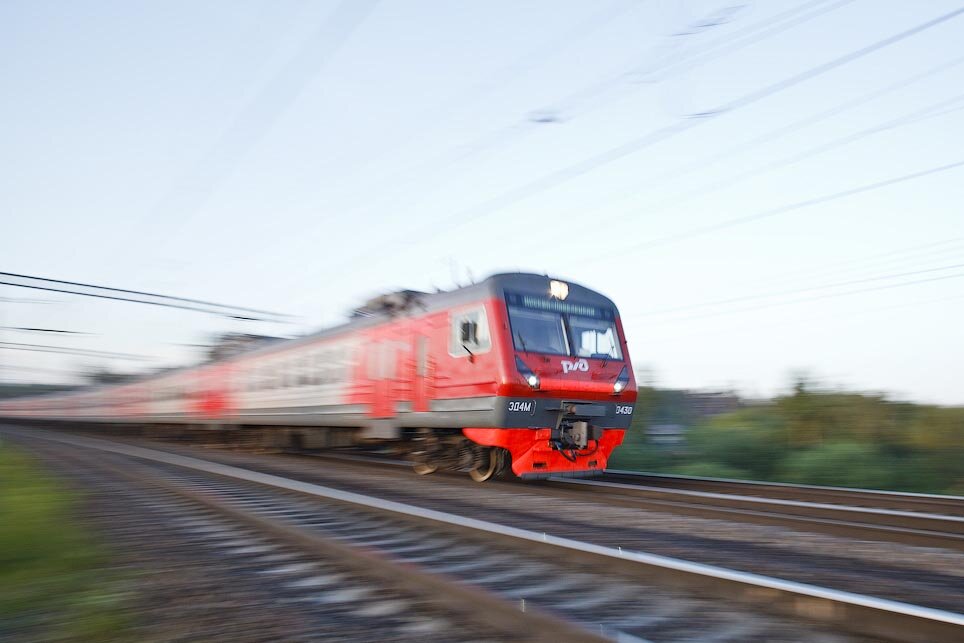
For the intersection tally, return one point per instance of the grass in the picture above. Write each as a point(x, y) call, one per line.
point(54, 581)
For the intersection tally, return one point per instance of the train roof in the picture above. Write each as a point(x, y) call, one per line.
point(385, 307)
point(496, 285)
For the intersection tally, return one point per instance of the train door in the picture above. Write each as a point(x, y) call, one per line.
point(420, 381)
point(381, 370)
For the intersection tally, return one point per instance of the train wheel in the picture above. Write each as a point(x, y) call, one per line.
point(489, 467)
point(424, 468)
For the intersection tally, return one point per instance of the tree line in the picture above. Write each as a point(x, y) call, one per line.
point(809, 436)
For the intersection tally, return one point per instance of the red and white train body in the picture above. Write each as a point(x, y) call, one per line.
point(518, 370)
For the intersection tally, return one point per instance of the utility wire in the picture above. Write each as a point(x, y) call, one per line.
point(145, 294)
point(733, 42)
point(700, 55)
point(42, 330)
point(931, 111)
point(137, 301)
point(818, 297)
point(794, 291)
point(494, 139)
point(807, 121)
point(892, 259)
point(186, 198)
point(38, 369)
point(578, 169)
point(801, 322)
point(86, 352)
point(783, 209)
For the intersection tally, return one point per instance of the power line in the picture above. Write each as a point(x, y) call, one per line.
point(793, 291)
point(711, 51)
point(491, 140)
point(187, 197)
point(931, 111)
point(732, 43)
point(816, 118)
point(804, 321)
point(21, 300)
point(783, 209)
point(578, 169)
point(84, 352)
point(137, 301)
point(145, 294)
point(43, 330)
point(19, 367)
point(932, 251)
point(818, 297)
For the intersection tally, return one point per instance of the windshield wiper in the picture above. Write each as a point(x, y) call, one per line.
point(522, 341)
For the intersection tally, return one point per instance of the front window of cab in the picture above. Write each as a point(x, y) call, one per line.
point(562, 328)
point(538, 331)
point(594, 338)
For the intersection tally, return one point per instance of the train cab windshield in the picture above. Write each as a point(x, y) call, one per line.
point(562, 328)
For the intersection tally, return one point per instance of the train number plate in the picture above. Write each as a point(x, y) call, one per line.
point(624, 410)
point(522, 406)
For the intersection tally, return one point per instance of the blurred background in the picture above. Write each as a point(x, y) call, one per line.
point(769, 191)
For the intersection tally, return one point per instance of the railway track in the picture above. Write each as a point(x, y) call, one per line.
point(870, 498)
point(311, 557)
point(603, 590)
point(917, 527)
point(903, 518)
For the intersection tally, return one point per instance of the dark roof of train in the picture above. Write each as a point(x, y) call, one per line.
point(494, 286)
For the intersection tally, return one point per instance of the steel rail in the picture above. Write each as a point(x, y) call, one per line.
point(905, 527)
point(874, 498)
point(865, 615)
point(468, 602)
point(866, 523)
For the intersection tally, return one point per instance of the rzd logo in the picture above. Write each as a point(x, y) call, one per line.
point(578, 365)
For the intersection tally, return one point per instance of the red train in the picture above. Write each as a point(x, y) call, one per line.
point(519, 371)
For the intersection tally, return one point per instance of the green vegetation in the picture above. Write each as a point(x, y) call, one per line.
point(53, 585)
point(811, 437)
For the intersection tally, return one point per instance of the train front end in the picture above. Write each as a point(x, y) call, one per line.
point(568, 390)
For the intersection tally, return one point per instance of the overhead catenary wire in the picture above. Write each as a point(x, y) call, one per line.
point(783, 130)
point(143, 293)
point(163, 304)
point(791, 302)
point(793, 291)
point(67, 350)
point(28, 329)
point(700, 55)
point(744, 37)
point(796, 321)
point(934, 110)
point(943, 250)
point(766, 28)
point(783, 209)
point(585, 166)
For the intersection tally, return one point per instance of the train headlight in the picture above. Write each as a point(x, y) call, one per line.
point(622, 381)
point(530, 377)
point(558, 289)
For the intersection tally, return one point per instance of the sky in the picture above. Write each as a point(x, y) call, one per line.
point(763, 188)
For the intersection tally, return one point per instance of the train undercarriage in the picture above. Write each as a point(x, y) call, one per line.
point(432, 451)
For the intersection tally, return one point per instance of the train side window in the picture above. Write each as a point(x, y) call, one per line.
point(469, 333)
